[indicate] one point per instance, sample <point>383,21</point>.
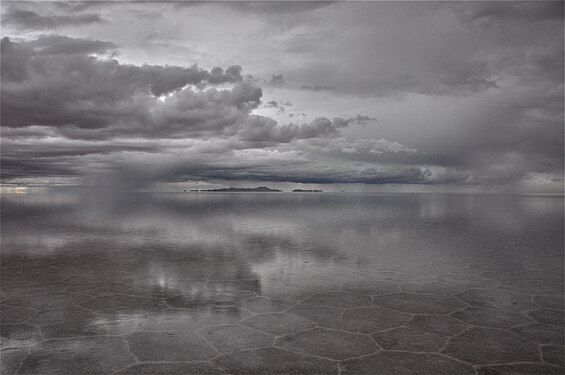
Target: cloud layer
<point>410,93</point>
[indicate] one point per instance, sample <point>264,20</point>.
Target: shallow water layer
<point>301,283</point>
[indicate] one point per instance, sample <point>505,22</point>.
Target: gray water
<point>212,259</point>
<point>273,236</point>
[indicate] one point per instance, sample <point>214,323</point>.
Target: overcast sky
<point>350,96</point>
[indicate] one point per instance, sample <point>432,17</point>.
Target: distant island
<point>234,189</point>
<point>307,191</point>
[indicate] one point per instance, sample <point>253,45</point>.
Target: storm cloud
<point>409,93</point>
<point>63,86</point>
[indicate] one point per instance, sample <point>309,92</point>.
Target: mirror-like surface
<point>281,283</point>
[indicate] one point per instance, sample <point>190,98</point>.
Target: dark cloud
<point>265,129</point>
<point>59,44</point>
<point>323,175</point>
<point>277,80</point>
<point>296,115</point>
<point>40,157</point>
<point>281,106</point>
<point>356,120</point>
<point>28,19</point>
<point>68,148</point>
<point>15,168</point>
<point>53,82</point>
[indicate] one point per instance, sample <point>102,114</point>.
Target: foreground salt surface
<point>282,283</point>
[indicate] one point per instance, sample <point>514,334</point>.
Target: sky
<point>344,96</point>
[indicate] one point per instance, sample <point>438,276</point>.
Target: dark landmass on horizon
<point>234,189</point>
<point>307,191</point>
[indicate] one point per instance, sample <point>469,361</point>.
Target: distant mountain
<point>307,191</point>
<point>234,189</point>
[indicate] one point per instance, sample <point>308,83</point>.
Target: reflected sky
<point>166,241</point>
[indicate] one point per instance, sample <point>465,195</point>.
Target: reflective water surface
<point>281,282</point>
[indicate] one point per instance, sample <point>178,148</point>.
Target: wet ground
<point>288,283</point>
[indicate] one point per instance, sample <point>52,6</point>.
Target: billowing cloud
<point>265,129</point>
<point>365,146</point>
<point>62,85</point>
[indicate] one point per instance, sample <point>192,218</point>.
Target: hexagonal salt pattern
<point>521,369</point>
<point>487,345</point>
<point>438,324</point>
<point>323,342</point>
<point>274,361</point>
<point>185,368</point>
<point>164,346</point>
<point>407,339</point>
<point>491,317</point>
<point>234,337</point>
<point>405,363</point>
<point>93,355</point>
<point>415,303</point>
<point>278,323</point>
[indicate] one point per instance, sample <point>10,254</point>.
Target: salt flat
<point>301,283</point>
